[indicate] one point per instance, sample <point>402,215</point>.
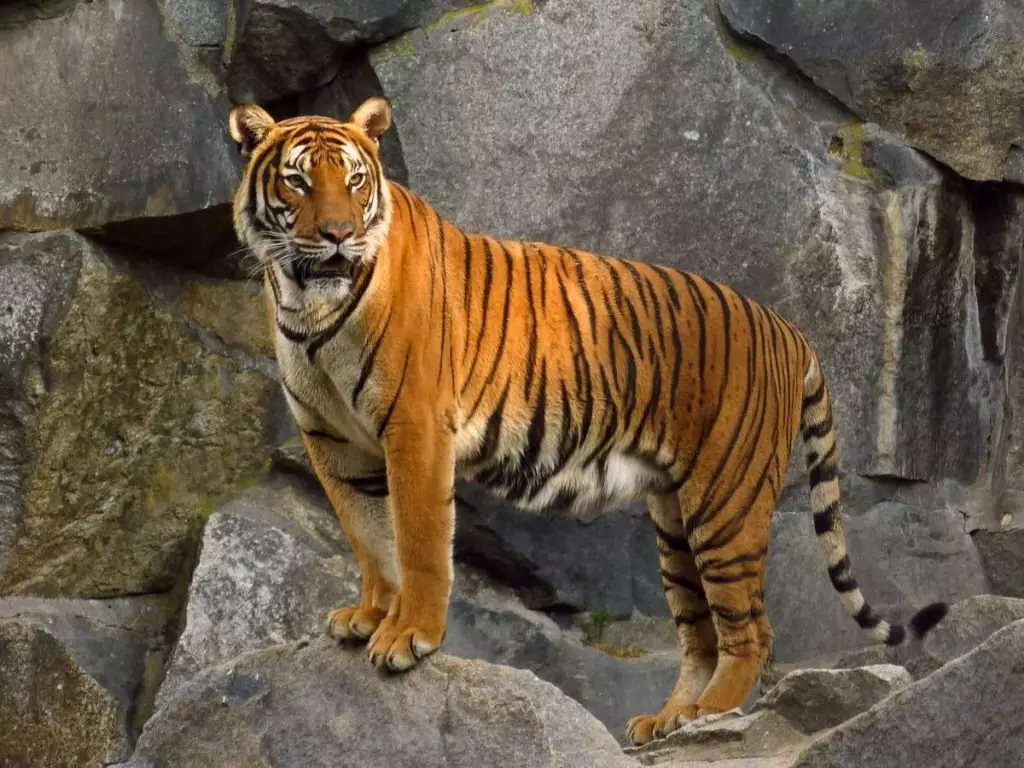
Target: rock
<point>1002,556</point>
<point>271,565</point>
<point>556,561</point>
<point>263,66</point>
<point>904,556</point>
<point>965,714</point>
<point>760,740</point>
<point>941,79</point>
<point>116,123</point>
<point>815,699</point>
<point>128,410</point>
<point>52,710</point>
<point>120,644</point>
<point>970,623</point>
<point>307,704</point>
<point>917,663</point>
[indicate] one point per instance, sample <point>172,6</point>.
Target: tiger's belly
<point>579,483</point>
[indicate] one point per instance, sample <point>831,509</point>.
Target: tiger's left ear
<point>248,125</point>
<point>373,116</point>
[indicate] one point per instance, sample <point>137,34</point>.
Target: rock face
<point>93,138</point>
<point>52,711</point>
<point>311,705</point>
<point>965,714</point>
<point>124,417</point>
<point>939,79</point>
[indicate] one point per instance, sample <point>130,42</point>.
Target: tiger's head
<point>312,199</point>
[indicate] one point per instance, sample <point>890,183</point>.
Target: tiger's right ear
<point>248,125</point>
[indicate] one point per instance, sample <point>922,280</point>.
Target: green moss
<point>849,146</point>
<point>596,624</point>
<point>471,15</point>
<point>916,63</point>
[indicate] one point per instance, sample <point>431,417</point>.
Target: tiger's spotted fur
<point>412,353</point>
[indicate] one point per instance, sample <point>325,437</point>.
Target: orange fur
<point>412,352</point>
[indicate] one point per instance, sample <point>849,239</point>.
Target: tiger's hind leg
<point>732,573</point>
<point>694,628</point>
<point>356,485</point>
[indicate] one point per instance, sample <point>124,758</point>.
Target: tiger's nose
<point>336,231</point>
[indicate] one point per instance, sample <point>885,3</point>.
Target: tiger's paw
<point>644,728</point>
<point>353,623</point>
<point>397,646</point>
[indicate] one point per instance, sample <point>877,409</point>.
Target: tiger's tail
<point>820,448</point>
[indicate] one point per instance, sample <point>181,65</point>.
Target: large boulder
<point>965,714</point>
<point>53,711</point>
<point>945,80</point>
<point>129,408</point>
<point>111,121</point>
<point>309,704</point>
<point>1002,555</point>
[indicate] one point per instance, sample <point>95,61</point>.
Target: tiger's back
<point>412,352</point>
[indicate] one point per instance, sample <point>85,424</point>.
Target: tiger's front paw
<point>644,728</point>
<point>399,645</point>
<point>353,623</point>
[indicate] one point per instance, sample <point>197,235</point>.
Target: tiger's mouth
<point>334,268</point>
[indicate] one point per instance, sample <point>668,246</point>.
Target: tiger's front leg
<point>356,484</point>
<point>421,482</point>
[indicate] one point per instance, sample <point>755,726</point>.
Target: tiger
<point>412,353</point>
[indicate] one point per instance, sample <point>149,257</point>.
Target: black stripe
<point>713,564</point>
<point>819,430</point>
<point>531,350</point>
<point>824,472</point>
<point>364,372</point>
<point>866,618</point>
<point>841,575</point>
<point>324,436</point>
<point>675,541</point>
<point>444,295</point>
<point>691,617</point>
<point>293,336</point>
<point>825,520</point>
<point>484,314</point>
<point>492,433</point>
<point>394,400</point>
<point>681,581</point>
<point>362,281</point>
<point>374,485</point>
<point>729,578</point>
<point>815,397</point>
<point>729,614</point>
<point>591,314</point>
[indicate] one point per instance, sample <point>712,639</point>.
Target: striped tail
<point>820,446</point>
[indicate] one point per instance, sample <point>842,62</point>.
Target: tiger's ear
<point>248,124</point>
<point>373,116</point>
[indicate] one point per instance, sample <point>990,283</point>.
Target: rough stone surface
<point>815,699</point>
<point>262,62</point>
<point>270,567</point>
<point>965,714</point>
<point>115,123</point>
<point>294,705</point>
<point>1002,556</point>
<point>760,740</point>
<point>942,79</point>
<point>123,417</point>
<point>970,623</point>
<point>52,710</point>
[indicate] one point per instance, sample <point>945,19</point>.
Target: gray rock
<point>114,123</point>
<point>815,699</point>
<point>308,704</point>
<point>940,79</point>
<point>904,556</point>
<point>263,66</point>
<point>270,567</point>
<point>130,404</point>
<point>970,623</point>
<point>910,657</point>
<point>760,740</point>
<point>1002,556</point>
<point>52,710</point>
<point>965,714</point>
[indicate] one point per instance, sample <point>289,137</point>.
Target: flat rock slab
<point>313,705</point>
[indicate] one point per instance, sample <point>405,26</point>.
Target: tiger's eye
<point>356,180</point>
<point>297,182</point>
